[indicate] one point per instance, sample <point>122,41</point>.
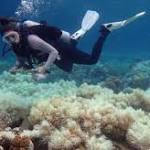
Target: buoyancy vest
<point>47,33</point>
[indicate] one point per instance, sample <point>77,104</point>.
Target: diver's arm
<point>38,44</point>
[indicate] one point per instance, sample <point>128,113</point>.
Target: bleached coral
<point>65,116</point>
<point>138,99</point>
<point>116,124</point>
<point>138,136</point>
<point>90,91</point>
<point>100,143</point>
<point>68,137</point>
<point>45,110</point>
<point>7,134</point>
<point>42,130</point>
<point>24,89</point>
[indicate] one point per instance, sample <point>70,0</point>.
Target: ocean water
<point>105,106</point>
<point>132,40</point>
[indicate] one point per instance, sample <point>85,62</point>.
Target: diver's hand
<point>41,70</point>
<point>40,76</point>
<point>40,73</point>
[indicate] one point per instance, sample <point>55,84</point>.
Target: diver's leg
<point>80,57</point>
<point>105,30</point>
<point>116,25</point>
<point>98,46</point>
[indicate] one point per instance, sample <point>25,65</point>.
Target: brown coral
<point>21,143</point>
<point>48,111</point>
<point>18,115</point>
<point>115,125</point>
<point>89,122</point>
<point>113,83</point>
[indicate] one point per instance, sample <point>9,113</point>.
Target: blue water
<point>134,40</point>
<point>124,66</point>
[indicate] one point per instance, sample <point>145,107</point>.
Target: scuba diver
<point>37,44</point>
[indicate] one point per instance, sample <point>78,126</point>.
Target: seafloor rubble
<point>69,115</point>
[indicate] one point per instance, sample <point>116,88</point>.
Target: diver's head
<point>11,37</point>
<point>7,24</point>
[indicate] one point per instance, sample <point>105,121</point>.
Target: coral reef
<point>138,136</point>
<point>90,118</point>
<point>114,73</point>
<point>116,124</point>
<point>5,120</point>
<point>138,76</point>
<point>23,143</point>
<point>68,115</point>
<point>113,82</point>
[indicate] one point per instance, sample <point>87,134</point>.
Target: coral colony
<point>66,115</point>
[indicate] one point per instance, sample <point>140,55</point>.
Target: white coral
<point>100,143</point>
<point>42,130</point>
<point>138,136</point>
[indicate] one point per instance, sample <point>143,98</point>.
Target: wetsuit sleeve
<point>37,43</point>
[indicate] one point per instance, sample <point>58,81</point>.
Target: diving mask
<point>11,37</point>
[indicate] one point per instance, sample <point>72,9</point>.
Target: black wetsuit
<point>69,53</point>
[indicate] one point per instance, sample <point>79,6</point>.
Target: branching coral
<point>90,122</point>
<point>138,136</point>
<point>45,110</point>
<point>138,99</point>
<point>69,137</point>
<point>116,124</point>
<point>100,143</point>
<point>42,130</point>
